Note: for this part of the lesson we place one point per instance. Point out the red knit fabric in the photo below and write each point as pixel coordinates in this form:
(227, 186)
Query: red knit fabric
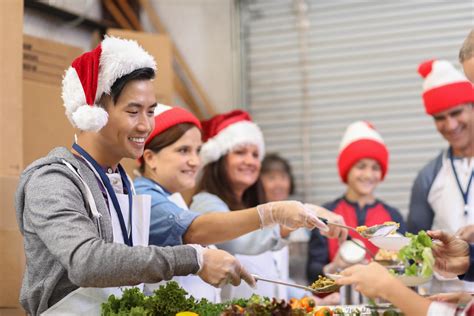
(87, 68)
(214, 125)
(170, 118)
(424, 69)
(445, 97)
(375, 216)
(360, 149)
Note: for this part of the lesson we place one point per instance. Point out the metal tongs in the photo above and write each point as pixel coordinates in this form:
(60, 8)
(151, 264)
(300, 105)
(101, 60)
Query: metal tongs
(327, 289)
(381, 230)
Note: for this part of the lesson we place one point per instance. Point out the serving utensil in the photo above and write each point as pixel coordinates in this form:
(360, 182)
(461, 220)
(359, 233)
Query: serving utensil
(372, 231)
(326, 289)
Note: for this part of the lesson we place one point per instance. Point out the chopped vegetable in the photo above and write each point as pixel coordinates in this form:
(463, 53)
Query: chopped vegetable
(324, 311)
(321, 282)
(417, 255)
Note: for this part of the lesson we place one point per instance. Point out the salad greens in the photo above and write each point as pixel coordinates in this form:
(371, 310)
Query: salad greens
(170, 299)
(417, 255)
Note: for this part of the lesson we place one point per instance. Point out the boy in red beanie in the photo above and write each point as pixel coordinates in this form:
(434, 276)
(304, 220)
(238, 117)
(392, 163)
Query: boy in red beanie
(362, 165)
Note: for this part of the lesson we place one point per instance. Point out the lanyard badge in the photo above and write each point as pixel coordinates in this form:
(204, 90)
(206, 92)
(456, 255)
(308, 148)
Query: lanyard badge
(465, 195)
(108, 186)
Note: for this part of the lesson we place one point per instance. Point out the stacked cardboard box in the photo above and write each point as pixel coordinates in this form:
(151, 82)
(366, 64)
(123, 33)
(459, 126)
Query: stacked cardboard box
(45, 125)
(11, 155)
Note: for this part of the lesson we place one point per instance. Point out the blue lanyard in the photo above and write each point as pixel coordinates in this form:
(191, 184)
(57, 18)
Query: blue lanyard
(465, 195)
(108, 186)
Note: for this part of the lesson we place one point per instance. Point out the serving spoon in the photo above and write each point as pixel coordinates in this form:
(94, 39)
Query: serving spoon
(326, 289)
(380, 230)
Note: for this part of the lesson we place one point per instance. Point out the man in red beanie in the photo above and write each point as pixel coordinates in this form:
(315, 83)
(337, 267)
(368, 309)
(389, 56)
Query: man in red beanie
(442, 196)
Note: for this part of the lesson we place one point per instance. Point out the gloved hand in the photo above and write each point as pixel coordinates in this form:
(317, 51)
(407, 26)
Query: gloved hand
(290, 214)
(333, 231)
(219, 268)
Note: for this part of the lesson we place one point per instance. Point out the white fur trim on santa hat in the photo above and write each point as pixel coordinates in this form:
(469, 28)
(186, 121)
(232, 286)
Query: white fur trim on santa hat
(442, 73)
(357, 131)
(120, 57)
(81, 115)
(90, 118)
(72, 93)
(239, 133)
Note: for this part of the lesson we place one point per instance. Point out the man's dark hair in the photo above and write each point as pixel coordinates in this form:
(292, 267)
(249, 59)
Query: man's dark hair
(138, 74)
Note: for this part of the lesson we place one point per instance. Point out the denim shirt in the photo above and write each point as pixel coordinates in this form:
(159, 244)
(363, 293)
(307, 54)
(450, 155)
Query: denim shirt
(168, 222)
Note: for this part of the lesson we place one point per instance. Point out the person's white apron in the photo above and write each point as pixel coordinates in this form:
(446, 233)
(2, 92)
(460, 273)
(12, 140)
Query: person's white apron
(263, 264)
(447, 202)
(87, 301)
(193, 284)
(446, 199)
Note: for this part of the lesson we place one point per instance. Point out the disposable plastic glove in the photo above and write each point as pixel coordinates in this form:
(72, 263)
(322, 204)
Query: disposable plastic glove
(290, 214)
(218, 268)
(333, 231)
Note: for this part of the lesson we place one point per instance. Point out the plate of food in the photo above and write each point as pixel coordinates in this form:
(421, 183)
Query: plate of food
(417, 260)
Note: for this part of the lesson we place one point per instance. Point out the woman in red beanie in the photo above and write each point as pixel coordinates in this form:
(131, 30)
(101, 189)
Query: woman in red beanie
(169, 165)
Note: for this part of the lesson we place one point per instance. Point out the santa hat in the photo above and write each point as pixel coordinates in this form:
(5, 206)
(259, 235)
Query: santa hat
(361, 141)
(224, 132)
(93, 73)
(444, 86)
(166, 117)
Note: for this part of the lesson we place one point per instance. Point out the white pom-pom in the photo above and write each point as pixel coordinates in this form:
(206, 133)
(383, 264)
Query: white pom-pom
(90, 118)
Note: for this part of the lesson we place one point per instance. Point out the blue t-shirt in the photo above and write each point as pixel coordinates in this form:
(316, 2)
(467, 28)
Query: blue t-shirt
(168, 222)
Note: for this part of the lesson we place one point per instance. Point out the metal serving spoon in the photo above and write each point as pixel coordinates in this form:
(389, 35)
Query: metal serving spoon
(326, 289)
(372, 231)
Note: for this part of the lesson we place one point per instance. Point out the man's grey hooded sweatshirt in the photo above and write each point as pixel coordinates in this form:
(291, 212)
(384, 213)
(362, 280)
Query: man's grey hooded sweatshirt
(63, 247)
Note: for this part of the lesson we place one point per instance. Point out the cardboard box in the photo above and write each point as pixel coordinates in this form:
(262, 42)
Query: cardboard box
(8, 187)
(159, 46)
(12, 312)
(12, 260)
(45, 125)
(12, 265)
(45, 61)
(11, 33)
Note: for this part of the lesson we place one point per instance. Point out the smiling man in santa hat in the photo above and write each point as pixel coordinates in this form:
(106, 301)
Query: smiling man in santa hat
(85, 230)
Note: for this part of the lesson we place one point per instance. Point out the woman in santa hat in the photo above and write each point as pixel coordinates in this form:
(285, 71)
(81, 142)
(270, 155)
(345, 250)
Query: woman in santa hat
(231, 156)
(362, 165)
(169, 165)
